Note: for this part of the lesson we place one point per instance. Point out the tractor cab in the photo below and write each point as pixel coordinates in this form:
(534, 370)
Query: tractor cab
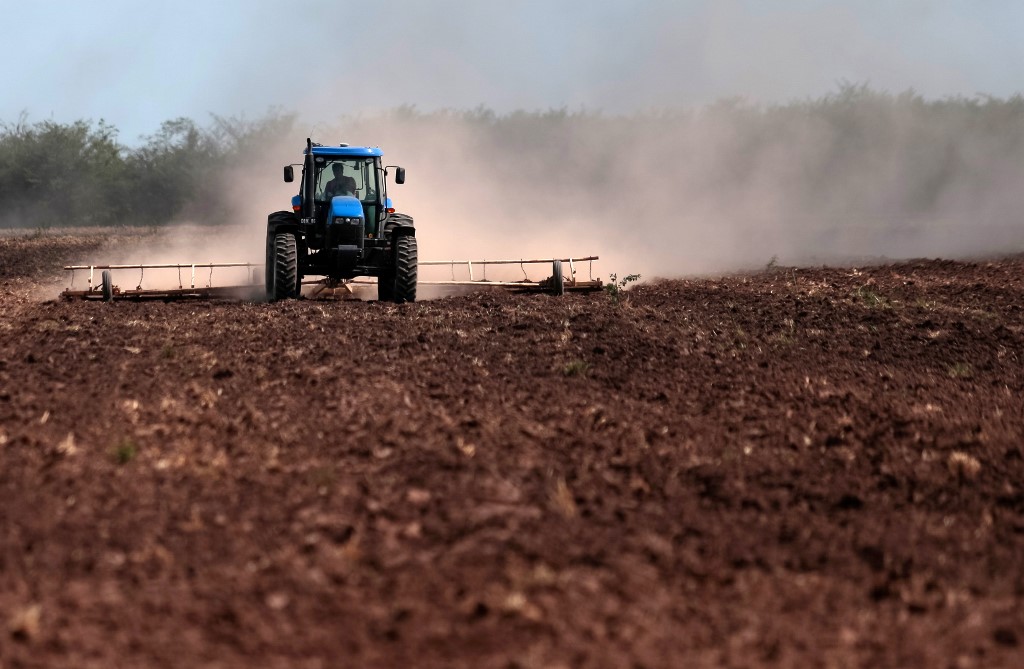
(341, 171)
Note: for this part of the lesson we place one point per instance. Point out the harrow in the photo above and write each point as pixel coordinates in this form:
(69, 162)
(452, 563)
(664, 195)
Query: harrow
(195, 280)
(105, 289)
(556, 284)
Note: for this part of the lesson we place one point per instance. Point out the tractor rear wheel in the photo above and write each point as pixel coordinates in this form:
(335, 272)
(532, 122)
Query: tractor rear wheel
(282, 267)
(406, 265)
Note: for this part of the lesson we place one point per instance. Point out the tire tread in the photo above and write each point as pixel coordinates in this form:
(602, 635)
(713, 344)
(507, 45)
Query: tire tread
(285, 267)
(406, 266)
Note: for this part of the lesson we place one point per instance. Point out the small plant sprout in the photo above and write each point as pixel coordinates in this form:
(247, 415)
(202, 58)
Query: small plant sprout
(616, 285)
(961, 370)
(576, 368)
(124, 452)
(871, 298)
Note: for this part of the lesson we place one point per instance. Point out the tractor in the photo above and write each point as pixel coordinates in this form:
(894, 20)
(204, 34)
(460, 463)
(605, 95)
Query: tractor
(342, 225)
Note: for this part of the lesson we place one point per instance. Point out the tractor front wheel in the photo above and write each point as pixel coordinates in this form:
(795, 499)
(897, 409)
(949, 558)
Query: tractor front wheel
(406, 265)
(282, 267)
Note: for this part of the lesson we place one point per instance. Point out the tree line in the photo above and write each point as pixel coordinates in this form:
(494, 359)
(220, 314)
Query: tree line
(854, 154)
(56, 174)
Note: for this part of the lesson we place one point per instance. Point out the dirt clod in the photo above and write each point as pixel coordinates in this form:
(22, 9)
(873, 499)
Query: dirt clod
(963, 467)
(24, 624)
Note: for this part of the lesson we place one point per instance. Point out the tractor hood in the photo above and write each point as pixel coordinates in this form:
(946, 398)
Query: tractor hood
(346, 206)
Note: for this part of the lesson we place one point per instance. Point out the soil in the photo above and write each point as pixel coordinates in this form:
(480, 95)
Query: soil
(792, 468)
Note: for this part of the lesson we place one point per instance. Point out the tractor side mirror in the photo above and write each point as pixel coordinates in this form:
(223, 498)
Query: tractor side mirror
(289, 174)
(399, 175)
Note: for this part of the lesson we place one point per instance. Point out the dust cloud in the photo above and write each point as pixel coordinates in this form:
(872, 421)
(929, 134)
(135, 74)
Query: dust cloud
(856, 176)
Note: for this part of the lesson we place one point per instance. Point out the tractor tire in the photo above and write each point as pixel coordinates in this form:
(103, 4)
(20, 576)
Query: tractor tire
(557, 281)
(406, 266)
(282, 268)
(107, 286)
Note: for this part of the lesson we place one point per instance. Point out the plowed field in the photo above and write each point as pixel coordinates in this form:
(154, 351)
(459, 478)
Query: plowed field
(794, 468)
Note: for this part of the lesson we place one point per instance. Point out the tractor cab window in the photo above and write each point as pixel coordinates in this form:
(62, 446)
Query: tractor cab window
(346, 176)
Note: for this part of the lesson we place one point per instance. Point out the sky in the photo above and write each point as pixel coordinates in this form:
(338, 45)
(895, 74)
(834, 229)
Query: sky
(138, 64)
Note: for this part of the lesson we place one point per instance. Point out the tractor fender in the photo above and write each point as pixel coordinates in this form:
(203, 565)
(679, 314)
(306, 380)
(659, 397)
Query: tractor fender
(399, 225)
(401, 231)
(282, 221)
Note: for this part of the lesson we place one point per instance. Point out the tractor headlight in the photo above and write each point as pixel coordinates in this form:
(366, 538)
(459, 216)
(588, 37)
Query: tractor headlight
(339, 220)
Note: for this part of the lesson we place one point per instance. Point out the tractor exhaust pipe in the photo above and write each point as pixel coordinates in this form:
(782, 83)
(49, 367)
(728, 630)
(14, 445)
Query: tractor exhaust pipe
(309, 185)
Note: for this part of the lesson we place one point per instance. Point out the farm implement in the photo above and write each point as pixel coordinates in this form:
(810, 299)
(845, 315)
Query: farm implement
(558, 283)
(184, 281)
(105, 289)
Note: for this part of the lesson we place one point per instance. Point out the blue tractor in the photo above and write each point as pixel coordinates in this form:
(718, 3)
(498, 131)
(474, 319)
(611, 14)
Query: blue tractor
(342, 225)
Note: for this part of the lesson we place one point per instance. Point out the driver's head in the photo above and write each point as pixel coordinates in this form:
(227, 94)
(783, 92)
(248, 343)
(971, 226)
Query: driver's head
(338, 170)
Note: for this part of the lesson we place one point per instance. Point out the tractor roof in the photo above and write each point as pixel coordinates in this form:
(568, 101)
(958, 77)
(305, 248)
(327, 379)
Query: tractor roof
(347, 151)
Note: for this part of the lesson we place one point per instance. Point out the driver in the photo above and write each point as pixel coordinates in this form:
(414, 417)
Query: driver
(340, 184)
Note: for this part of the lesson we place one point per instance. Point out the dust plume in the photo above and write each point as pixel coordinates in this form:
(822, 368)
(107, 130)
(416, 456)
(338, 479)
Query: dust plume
(856, 176)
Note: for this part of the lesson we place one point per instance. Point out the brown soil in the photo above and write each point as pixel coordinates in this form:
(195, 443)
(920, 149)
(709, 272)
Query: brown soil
(798, 468)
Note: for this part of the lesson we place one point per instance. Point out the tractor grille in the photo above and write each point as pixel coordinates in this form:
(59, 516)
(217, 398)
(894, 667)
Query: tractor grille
(346, 232)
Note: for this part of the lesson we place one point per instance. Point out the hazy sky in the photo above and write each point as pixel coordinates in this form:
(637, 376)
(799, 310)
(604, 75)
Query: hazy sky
(137, 64)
